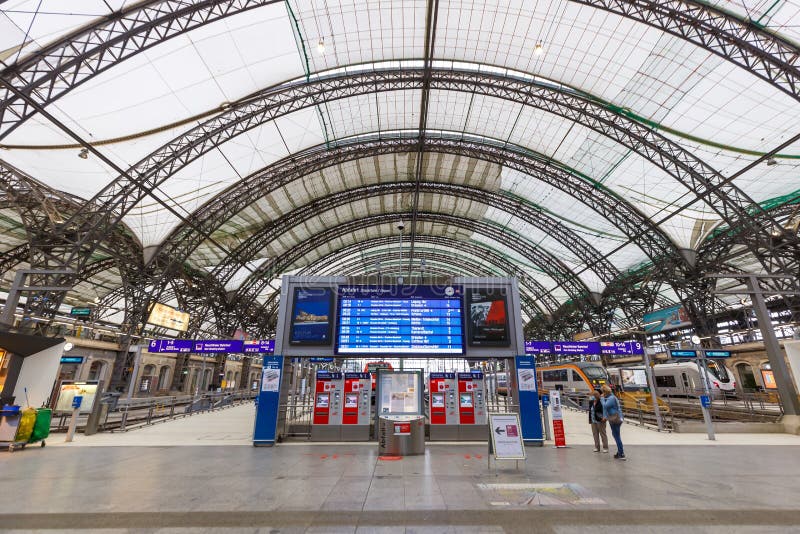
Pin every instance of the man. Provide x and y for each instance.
(597, 422)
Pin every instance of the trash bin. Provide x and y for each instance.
(401, 435)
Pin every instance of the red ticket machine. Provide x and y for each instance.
(472, 414)
(442, 406)
(327, 417)
(356, 410)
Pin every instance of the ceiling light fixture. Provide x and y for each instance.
(321, 45)
(538, 49)
(84, 153)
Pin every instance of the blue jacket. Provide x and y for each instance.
(611, 406)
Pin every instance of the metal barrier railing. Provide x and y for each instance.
(120, 414)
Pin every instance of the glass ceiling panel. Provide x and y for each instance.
(41, 21)
(780, 17)
(194, 184)
(183, 77)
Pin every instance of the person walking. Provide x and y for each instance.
(612, 412)
(597, 422)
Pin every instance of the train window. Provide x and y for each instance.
(576, 377)
(718, 370)
(593, 371)
(665, 381)
(557, 375)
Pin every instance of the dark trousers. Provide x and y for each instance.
(615, 432)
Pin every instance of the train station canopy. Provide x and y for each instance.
(568, 143)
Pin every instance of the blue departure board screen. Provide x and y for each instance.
(400, 320)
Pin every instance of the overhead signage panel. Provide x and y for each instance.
(683, 353)
(576, 347)
(538, 347)
(400, 320)
(263, 346)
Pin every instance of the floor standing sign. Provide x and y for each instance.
(530, 415)
(558, 420)
(506, 437)
(267, 402)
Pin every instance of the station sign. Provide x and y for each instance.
(538, 347)
(585, 348)
(211, 346)
(263, 346)
(80, 312)
(70, 359)
(576, 347)
(696, 353)
(718, 354)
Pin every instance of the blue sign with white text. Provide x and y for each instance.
(530, 414)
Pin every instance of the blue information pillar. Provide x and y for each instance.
(269, 392)
(529, 413)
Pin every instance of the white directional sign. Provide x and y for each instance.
(506, 436)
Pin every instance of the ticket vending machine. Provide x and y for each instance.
(472, 414)
(356, 408)
(443, 406)
(326, 422)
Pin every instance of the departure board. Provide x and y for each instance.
(400, 320)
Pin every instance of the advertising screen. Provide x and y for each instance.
(311, 316)
(399, 320)
(488, 317)
(168, 317)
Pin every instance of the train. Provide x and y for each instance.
(672, 379)
(677, 379)
(577, 377)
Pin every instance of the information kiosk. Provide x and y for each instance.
(336, 317)
(327, 418)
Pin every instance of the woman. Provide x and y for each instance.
(597, 422)
(612, 412)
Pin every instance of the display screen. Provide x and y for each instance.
(311, 316)
(399, 320)
(465, 400)
(488, 317)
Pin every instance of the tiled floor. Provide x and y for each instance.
(157, 484)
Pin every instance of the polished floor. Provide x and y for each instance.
(156, 487)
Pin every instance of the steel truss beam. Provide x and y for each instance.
(438, 264)
(503, 265)
(184, 240)
(124, 193)
(247, 293)
(55, 70)
(285, 223)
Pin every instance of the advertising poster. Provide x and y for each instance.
(633, 378)
(168, 317)
(271, 380)
(558, 419)
(70, 390)
(526, 379)
(488, 317)
(506, 437)
(666, 319)
(311, 316)
(399, 393)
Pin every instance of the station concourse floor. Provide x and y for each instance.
(201, 474)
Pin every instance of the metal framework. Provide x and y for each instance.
(72, 237)
(57, 69)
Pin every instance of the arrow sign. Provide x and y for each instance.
(499, 430)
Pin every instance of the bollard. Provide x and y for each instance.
(73, 422)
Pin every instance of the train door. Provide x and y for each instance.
(685, 382)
